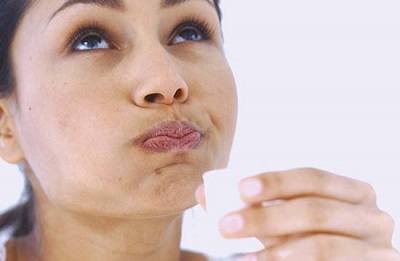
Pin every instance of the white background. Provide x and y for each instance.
(319, 85)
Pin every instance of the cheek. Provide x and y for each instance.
(72, 159)
(219, 98)
(68, 139)
(225, 105)
(220, 88)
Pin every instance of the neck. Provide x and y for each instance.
(65, 236)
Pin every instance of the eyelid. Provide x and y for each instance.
(206, 28)
(92, 28)
(202, 25)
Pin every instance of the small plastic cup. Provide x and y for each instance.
(222, 197)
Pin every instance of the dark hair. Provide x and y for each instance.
(11, 12)
(20, 219)
(218, 8)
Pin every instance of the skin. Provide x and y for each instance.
(111, 199)
(322, 216)
(71, 126)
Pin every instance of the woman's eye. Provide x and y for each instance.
(192, 30)
(91, 42)
(188, 34)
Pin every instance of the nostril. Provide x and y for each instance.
(156, 97)
(178, 94)
(151, 97)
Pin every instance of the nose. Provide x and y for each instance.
(161, 81)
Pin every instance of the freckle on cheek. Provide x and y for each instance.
(62, 125)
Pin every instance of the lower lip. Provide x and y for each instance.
(167, 143)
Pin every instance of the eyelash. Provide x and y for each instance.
(204, 28)
(86, 30)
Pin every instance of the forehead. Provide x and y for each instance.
(120, 4)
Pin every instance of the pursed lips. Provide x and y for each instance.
(170, 136)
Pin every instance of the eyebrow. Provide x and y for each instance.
(170, 3)
(116, 4)
(113, 4)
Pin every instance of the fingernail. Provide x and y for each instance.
(251, 187)
(250, 257)
(231, 224)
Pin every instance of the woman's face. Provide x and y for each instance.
(121, 105)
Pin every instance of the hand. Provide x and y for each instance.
(320, 216)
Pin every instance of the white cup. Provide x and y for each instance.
(222, 197)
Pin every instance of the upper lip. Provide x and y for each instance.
(172, 129)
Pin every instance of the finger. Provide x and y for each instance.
(326, 247)
(200, 196)
(308, 215)
(305, 182)
(269, 242)
(316, 247)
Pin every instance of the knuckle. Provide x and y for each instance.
(279, 182)
(379, 227)
(316, 178)
(260, 222)
(310, 172)
(322, 247)
(368, 192)
(387, 222)
(319, 247)
(314, 214)
(277, 179)
(264, 227)
(271, 228)
(306, 180)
